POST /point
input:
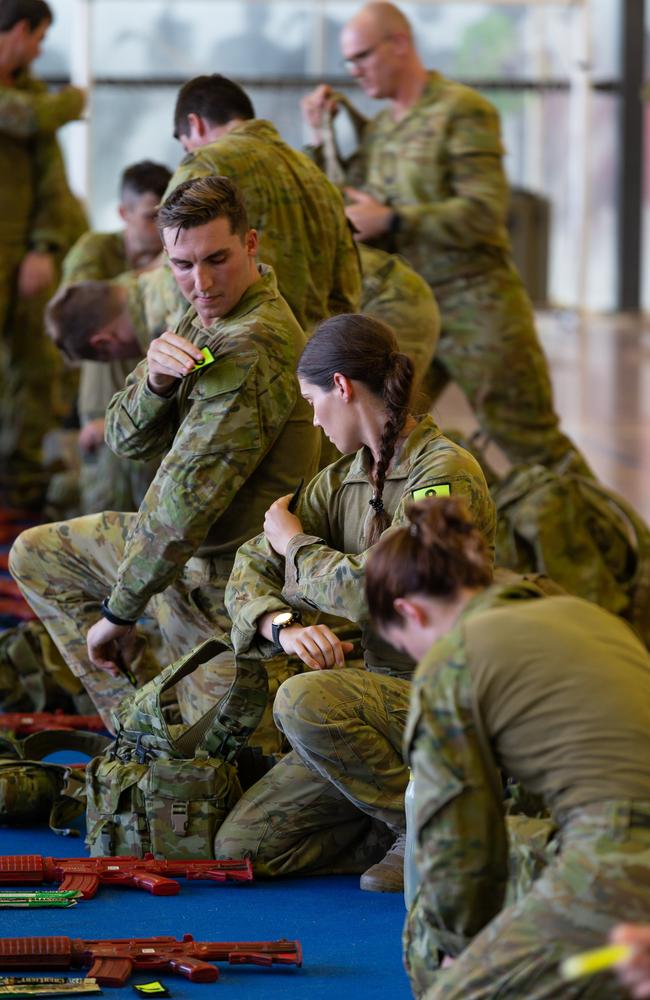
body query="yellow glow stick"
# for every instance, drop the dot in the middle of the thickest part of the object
(588, 962)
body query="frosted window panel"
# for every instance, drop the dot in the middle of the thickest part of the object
(127, 125)
(190, 38)
(55, 57)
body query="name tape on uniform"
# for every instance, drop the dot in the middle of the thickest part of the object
(436, 490)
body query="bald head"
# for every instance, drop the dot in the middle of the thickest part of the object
(377, 45)
(383, 19)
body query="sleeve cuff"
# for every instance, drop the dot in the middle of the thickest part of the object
(292, 570)
(245, 637)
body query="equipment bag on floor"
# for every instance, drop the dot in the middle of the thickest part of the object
(32, 790)
(167, 789)
(581, 534)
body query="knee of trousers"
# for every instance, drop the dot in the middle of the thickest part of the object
(21, 555)
(306, 704)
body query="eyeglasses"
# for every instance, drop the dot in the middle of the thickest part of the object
(351, 62)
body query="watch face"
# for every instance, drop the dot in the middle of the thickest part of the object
(284, 618)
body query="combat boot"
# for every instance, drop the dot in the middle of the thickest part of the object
(388, 874)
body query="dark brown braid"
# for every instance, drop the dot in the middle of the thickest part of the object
(396, 395)
(365, 350)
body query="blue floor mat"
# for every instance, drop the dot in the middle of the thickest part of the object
(350, 939)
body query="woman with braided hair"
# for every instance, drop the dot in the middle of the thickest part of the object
(335, 803)
(555, 693)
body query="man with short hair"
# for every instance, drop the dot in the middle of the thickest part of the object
(432, 188)
(235, 434)
(108, 483)
(36, 209)
(298, 213)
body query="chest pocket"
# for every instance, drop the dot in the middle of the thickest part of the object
(219, 378)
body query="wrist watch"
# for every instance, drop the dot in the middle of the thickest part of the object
(282, 620)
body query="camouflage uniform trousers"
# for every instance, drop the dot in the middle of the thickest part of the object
(335, 804)
(489, 346)
(30, 378)
(66, 569)
(599, 876)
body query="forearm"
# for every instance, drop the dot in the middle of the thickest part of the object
(24, 114)
(254, 594)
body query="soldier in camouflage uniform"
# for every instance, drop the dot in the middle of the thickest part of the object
(554, 693)
(236, 435)
(336, 802)
(107, 482)
(36, 209)
(434, 190)
(392, 291)
(298, 213)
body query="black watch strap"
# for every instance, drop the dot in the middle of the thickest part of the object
(110, 617)
(295, 619)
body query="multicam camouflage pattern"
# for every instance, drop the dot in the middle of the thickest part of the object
(338, 798)
(36, 210)
(161, 789)
(33, 675)
(298, 213)
(488, 330)
(32, 791)
(107, 482)
(31, 110)
(583, 535)
(95, 257)
(598, 869)
(239, 435)
(441, 168)
(335, 803)
(239, 423)
(325, 565)
(154, 303)
(394, 293)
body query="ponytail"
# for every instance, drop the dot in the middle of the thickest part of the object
(438, 553)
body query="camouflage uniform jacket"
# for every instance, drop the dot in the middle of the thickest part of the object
(237, 435)
(25, 113)
(36, 203)
(154, 303)
(297, 212)
(441, 168)
(505, 689)
(325, 565)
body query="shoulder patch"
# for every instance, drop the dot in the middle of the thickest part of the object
(434, 490)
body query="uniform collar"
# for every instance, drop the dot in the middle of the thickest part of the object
(259, 127)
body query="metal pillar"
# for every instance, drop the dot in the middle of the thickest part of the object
(630, 177)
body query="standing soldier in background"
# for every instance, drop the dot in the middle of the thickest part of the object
(297, 211)
(107, 482)
(433, 189)
(36, 209)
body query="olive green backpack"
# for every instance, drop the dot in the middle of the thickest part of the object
(33, 791)
(580, 533)
(167, 789)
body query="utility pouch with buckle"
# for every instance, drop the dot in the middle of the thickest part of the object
(167, 789)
